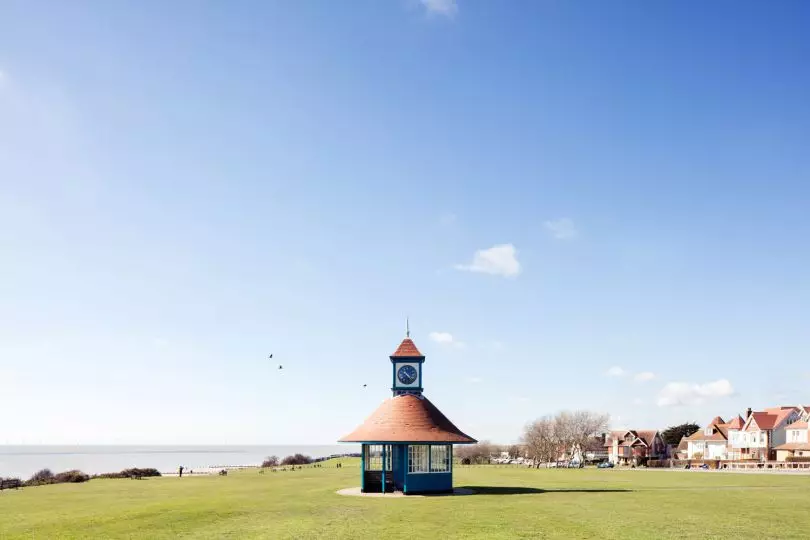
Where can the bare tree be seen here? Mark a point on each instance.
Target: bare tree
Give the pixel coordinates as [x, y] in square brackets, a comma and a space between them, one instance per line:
[541, 440]
[567, 432]
[577, 429]
[515, 451]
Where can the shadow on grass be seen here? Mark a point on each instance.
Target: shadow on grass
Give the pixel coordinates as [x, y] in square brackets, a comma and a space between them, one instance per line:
[509, 490]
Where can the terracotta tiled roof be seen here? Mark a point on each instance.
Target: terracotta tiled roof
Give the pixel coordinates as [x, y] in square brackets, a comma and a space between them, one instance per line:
[793, 446]
[718, 420]
[647, 435]
[770, 418]
[737, 423]
[684, 444]
[797, 425]
[407, 418]
[407, 349]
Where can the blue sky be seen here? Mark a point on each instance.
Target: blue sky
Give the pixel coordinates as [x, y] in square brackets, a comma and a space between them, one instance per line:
[578, 204]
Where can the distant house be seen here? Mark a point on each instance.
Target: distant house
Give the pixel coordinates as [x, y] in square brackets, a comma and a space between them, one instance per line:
[798, 442]
[765, 430]
[634, 446]
[709, 443]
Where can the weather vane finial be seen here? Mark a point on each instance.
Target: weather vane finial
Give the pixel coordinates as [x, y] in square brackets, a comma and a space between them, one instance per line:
[407, 327]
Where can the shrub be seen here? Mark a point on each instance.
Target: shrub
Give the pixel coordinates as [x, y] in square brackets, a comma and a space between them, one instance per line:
[42, 477]
[271, 461]
[130, 473]
[297, 459]
[798, 459]
[71, 477]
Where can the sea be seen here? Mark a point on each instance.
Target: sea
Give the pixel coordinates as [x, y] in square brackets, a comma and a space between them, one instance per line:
[24, 461]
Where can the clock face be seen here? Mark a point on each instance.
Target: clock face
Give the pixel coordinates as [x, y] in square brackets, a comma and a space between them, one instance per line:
[407, 374]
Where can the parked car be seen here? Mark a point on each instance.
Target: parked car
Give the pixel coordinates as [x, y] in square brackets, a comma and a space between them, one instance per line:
[575, 465]
[605, 465]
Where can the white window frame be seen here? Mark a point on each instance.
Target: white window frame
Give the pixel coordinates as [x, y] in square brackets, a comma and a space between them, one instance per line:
[418, 459]
[440, 458]
[374, 457]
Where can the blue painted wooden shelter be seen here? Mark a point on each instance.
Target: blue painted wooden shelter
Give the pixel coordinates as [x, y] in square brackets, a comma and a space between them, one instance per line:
[407, 443]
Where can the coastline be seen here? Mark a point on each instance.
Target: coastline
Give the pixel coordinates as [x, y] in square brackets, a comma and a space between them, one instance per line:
[23, 461]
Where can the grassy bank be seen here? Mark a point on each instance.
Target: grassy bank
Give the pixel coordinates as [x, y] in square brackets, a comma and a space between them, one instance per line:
[512, 503]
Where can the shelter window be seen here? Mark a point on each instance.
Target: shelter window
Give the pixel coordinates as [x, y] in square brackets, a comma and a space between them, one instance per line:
[374, 457]
[418, 458]
[440, 458]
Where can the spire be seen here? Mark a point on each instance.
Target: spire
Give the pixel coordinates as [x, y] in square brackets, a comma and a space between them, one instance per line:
[407, 327]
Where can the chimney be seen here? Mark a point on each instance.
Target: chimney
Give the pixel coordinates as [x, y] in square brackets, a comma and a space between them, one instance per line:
[748, 413]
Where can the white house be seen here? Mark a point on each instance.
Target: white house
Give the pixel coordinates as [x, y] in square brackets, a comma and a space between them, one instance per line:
[797, 442]
[710, 442]
[765, 430]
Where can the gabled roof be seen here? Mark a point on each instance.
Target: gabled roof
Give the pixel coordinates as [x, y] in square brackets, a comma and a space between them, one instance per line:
[647, 435]
[408, 418]
[717, 420]
[769, 418]
[797, 425]
[737, 423]
[407, 349]
[684, 444]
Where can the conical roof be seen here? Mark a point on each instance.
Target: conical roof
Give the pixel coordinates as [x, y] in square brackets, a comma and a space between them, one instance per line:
[408, 418]
[407, 349]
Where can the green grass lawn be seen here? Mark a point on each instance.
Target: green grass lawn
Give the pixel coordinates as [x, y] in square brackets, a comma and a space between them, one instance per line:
[512, 503]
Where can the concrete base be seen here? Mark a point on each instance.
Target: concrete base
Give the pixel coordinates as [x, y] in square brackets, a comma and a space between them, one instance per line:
[355, 492]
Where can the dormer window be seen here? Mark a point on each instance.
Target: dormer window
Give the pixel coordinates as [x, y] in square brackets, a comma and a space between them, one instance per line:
[709, 431]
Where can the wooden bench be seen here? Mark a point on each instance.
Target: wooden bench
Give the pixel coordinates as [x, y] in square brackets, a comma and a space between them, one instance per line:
[10, 483]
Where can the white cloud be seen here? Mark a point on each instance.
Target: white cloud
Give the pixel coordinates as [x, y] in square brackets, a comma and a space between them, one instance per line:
[447, 8]
[644, 376]
[441, 337]
[498, 260]
[445, 338]
[679, 393]
[561, 229]
[615, 371]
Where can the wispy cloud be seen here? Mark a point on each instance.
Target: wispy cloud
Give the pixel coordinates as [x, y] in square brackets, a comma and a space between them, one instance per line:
[446, 8]
[679, 393]
[447, 219]
[644, 376]
[561, 229]
[615, 371]
[445, 338]
[499, 260]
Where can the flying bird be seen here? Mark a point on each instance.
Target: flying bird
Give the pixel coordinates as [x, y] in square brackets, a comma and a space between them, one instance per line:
[365, 385]
[270, 357]
[280, 366]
